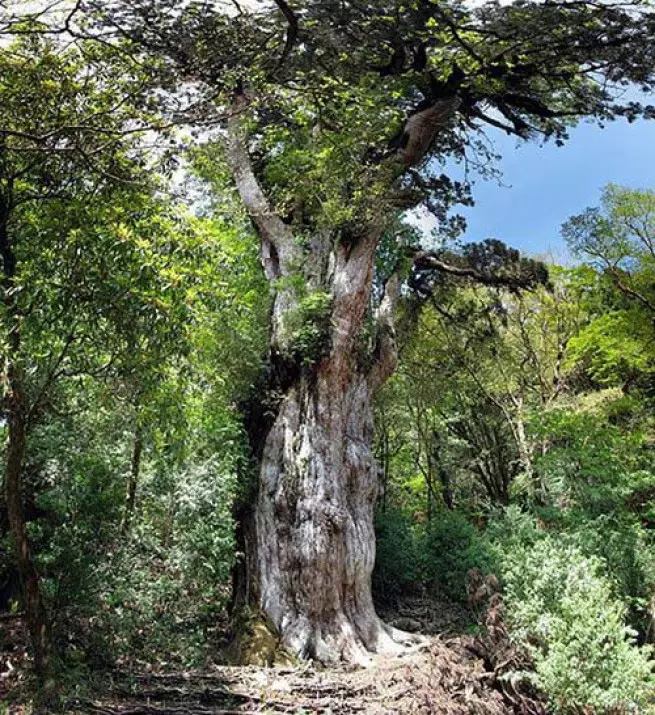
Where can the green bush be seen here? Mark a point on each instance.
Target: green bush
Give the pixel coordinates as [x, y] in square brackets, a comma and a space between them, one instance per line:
[451, 547]
[627, 551]
[397, 561]
[435, 555]
[600, 480]
[164, 591]
[78, 506]
[308, 327]
[563, 607]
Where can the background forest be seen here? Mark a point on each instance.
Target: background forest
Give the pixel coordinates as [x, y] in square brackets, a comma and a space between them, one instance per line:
[515, 443]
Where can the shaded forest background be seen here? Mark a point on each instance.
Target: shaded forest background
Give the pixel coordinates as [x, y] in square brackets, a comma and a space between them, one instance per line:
[515, 442]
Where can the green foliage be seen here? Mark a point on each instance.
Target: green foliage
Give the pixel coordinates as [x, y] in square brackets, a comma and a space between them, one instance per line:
[135, 316]
[613, 347]
[397, 555]
[75, 463]
[549, 393]
[563, 606]
[137, 321]
[596, 473]
[323, 121]
[591, 465]
[307, 327]
[619, 233]
[203, 534]
[452, 546]
[436, 555]
[617, 239]
[163, 592]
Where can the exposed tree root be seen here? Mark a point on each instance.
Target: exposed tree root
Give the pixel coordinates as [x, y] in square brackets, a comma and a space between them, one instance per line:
[443, 677]
[458, 675]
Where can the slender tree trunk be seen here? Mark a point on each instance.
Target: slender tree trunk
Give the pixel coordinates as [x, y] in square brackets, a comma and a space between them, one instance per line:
[441, 471]
[386, 468]
[132, 479]
[35, 612]
[650, 629]
[522, 444]
[446, 488]
[16, 411]
[526, 457]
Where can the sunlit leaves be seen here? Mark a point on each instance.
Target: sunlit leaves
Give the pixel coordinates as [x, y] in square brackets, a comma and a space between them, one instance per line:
[618, 240]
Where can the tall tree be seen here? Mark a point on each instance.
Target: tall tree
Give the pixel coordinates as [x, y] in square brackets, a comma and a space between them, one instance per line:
[67, 141]
[617, 240]
[336, 117]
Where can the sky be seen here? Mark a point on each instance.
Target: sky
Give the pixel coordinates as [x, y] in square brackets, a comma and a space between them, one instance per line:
[543, 185]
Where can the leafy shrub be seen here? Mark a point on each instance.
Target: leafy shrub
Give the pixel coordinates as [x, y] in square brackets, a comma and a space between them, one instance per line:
[397, 562]
[563, 607]
[308, 327]
[452, 546]
[626, 549]
[78, 506]
[165, 590]
[590, 464]
[599, 481]
[439, 554]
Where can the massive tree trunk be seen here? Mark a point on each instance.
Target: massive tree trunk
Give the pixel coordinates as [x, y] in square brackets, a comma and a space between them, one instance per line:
[311, 552]
[315, 543]
[314, 519]
[313, 549]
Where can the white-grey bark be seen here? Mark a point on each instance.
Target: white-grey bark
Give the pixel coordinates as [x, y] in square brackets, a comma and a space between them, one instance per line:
[314, 521]
[280, 254]
[312, 558]
[422, 127]
[387, 360]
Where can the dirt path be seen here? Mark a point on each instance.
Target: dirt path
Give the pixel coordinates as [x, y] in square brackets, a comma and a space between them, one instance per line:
[439, 677]
[450, 674]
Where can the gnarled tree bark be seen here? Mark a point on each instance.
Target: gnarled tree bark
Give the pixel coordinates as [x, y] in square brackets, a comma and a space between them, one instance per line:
[311, 552]
[314, 520]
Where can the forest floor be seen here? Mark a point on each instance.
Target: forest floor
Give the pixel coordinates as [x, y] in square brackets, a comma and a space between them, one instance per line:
[452, 673]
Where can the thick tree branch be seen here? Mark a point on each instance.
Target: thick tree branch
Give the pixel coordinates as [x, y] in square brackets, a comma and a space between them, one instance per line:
[421, 129]
[514, 281]
[276, 237]
[386, 349]
[292, 30]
